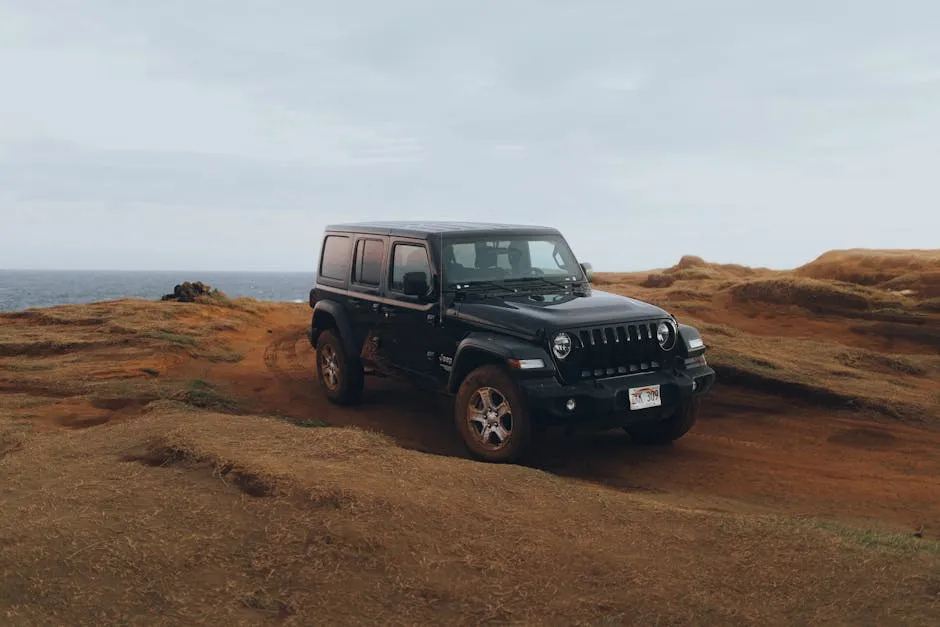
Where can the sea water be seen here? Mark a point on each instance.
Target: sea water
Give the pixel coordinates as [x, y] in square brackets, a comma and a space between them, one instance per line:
[24, 289]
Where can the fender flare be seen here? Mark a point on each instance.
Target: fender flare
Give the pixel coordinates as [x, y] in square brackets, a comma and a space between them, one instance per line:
[690, 341]
[496, 348]
[341, 321]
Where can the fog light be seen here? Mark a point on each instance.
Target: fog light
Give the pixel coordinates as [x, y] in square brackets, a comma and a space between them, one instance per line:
[694, 385]
[570, 404]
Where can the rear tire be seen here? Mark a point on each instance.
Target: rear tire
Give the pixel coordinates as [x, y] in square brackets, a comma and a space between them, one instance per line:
[492, 416]
[340, 375]
[661, 432]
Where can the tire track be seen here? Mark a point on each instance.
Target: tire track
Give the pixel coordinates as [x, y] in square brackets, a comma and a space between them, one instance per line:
[282, 360]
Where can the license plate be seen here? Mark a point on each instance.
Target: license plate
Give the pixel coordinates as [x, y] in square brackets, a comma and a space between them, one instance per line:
[642, 398]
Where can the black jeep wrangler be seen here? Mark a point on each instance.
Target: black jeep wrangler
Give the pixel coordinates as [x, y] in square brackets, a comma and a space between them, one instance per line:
[504, 318]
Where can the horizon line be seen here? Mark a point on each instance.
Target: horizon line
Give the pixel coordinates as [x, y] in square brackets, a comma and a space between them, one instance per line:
[217, 271]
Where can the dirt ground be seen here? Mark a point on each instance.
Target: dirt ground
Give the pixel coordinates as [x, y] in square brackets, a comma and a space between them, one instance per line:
[750, 451]
[168, 463]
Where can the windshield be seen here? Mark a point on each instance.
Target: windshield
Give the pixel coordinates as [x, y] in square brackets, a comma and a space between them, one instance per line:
[494, 258]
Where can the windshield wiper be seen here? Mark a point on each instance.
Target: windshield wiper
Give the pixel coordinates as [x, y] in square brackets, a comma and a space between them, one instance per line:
[471, 286]
[531, 279]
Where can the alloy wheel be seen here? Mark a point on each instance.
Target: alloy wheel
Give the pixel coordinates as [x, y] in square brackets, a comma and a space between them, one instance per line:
[329, 367]
[489, 416]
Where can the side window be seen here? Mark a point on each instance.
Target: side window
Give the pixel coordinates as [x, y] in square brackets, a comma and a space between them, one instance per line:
[367, 266]
[408, 258]
[335, 257]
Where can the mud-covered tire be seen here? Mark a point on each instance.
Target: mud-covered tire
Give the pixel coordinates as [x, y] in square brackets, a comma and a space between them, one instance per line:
[661, 432]
[340, 375]
[506, 400]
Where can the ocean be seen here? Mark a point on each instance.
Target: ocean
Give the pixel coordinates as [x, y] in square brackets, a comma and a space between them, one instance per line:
[24, 289]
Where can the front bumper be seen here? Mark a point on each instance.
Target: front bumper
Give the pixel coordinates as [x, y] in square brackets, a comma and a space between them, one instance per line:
[606, 404]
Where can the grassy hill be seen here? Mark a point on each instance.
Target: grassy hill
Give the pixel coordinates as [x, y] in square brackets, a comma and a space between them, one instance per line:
[174, 463]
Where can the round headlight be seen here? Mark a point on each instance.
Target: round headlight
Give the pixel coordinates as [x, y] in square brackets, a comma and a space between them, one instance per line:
[666, 335]
[561, 345]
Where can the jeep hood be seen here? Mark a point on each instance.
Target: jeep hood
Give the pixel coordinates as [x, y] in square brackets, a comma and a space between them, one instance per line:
[526, 314]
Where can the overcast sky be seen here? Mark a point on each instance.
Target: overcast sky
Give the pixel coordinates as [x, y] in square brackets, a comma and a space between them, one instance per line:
[198, 134]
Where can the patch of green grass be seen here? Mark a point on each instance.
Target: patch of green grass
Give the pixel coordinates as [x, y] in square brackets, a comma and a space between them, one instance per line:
[26, 367]
[871, 361]
[306, 423]
[215, 297]
[931, 304]
[885, 540]
[200, 393]
[220, 356]
[173, 338]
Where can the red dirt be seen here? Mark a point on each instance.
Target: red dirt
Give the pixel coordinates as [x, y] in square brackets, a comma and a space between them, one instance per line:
[750, 450]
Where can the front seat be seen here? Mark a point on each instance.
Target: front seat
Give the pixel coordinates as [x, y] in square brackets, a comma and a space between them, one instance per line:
[416, 261]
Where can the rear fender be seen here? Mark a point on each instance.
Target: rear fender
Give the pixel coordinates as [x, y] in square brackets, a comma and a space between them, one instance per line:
[329, 314]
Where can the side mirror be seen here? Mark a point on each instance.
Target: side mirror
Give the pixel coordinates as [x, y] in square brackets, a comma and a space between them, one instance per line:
[588, 271]
[416, 284]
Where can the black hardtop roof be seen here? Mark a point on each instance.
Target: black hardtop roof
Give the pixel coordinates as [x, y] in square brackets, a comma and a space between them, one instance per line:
[423, 229]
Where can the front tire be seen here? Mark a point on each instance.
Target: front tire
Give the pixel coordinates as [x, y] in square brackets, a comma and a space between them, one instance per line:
[492, 416]
[339, 374]
[662, 432]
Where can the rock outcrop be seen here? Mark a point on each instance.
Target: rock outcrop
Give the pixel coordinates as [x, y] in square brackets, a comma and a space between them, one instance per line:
[193, 292]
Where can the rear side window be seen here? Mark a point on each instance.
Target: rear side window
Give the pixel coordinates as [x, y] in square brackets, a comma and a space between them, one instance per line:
[408, 258]
[335, 257]
[368, 262]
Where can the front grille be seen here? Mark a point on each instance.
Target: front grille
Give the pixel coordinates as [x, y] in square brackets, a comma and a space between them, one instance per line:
[617, 350]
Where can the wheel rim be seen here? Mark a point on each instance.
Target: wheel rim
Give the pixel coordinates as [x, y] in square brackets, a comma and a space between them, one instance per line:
[329, 368]
[489, 416]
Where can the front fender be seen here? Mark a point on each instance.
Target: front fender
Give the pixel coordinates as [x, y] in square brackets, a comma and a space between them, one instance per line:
[482, 347]
[690, 342]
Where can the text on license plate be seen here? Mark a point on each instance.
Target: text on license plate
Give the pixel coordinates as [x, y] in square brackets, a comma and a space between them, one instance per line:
[641, 398]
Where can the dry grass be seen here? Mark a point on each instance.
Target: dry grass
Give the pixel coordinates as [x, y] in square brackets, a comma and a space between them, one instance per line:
[897, 386]
[828, 341]
[824, 297]
[172, 496]
[259, 521]
[876, 267]
[658, 279]
[925, 284]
